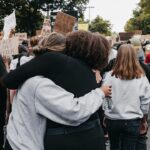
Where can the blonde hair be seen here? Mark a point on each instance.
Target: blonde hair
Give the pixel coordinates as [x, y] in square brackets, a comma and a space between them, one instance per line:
[127, 66]
[54, 42]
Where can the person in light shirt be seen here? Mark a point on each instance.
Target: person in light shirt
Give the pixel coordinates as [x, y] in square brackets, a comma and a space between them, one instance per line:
[130, 99]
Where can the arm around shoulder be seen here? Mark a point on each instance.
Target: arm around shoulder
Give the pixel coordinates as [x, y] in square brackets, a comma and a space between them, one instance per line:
[60, 106]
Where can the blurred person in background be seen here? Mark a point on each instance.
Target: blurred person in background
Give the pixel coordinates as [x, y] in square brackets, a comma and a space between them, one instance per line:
[3, 100]
[135, 41]
[141, 143]
[113, 52]
[147, 54]
[126, 109]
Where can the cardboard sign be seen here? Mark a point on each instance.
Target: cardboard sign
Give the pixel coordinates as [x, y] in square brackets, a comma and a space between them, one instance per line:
[9, 47]
[21, 36]
[46, 29]
[9, 24]
[64, 23]
[124, 36]
[145, 37]
[138, 32]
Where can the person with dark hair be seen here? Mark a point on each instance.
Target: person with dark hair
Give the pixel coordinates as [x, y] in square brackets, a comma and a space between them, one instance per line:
[25, 43]
[94, 58]
[74, 75]
[3, 100]
[22, 54]
[127, 108]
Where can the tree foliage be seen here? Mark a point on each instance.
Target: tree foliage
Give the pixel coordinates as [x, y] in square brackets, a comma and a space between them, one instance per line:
[140, 19]
[29, 18]
[100, 25]
[28, 12]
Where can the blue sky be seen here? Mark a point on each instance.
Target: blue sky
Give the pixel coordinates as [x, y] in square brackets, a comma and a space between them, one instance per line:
[117, 11]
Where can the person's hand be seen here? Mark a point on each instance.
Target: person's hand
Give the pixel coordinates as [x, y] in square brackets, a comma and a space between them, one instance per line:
[107, 90]
[97, 75]
[143, 127]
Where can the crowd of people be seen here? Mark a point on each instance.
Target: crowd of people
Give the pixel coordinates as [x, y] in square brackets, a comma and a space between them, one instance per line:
[75, 92]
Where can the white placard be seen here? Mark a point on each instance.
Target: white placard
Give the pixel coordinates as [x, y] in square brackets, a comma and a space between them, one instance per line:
[46, 29]
[21, 36]
[9, 24]
[9, 46]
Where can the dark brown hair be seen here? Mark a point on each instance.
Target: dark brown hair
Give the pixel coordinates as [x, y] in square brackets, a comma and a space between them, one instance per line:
[34, 41]
[127, 66]
[89, 47]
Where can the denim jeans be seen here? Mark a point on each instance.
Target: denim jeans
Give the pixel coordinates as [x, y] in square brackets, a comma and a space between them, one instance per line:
[91, 139]
[123, 134]
[141, 143]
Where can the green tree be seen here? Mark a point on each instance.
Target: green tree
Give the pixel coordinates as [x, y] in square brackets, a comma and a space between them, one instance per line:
[100, 25]
[141, 18]
[145, 6]
[28, 12]
[29, 18]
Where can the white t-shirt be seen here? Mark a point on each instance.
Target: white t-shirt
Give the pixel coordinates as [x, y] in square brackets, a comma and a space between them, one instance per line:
[23, 60]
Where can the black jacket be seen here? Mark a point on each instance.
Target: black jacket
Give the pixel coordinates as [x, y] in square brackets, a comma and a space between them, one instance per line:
[3, 99]
[67, 72]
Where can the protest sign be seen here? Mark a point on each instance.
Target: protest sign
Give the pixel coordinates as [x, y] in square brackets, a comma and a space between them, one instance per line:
[38, 32]
[9, 24]
[64, 23]
[21, 36]
[46, 29]
[124, 36]
[53, 15]
[145, 37]
[83, 26]
[9, 46]
[138, 32]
